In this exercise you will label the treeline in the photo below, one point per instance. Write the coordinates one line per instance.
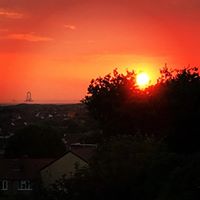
(169, 110)
(149, 147)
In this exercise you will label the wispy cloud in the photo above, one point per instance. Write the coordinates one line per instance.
(10, 14)
(71, 27)
(28, 37)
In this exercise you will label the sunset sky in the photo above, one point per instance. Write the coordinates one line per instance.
(53, 48)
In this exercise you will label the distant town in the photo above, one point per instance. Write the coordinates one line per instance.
(68, 132)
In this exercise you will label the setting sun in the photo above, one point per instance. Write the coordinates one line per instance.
(142, 79)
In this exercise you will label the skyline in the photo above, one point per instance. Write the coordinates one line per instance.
(55, 47)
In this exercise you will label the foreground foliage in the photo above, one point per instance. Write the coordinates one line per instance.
(133, 168)
(150, 146)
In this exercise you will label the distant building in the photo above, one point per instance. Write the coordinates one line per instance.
(71, 114)
(4, 138)
(29, 97)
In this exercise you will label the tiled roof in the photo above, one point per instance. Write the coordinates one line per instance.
(85, 152)
(25, 168)
(82, 151)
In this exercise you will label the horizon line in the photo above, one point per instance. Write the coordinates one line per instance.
(40, 101)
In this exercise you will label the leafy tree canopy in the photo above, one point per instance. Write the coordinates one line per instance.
(170, 108)
(35, 141)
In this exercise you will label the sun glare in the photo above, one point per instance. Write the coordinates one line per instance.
(143, 80)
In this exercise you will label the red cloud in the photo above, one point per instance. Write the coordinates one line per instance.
(71, 27)
(28, 37)
(11, 14)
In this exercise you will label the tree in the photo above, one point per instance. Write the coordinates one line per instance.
(109, 99)
(139, 166)
(181, 98)
(169, 109)
(35, 141)
(116, 171)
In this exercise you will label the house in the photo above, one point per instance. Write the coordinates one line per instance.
(20, 176)
(78, 157)
(66, 166)
(3, 141)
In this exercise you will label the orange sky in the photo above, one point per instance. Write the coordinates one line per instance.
(55, 47)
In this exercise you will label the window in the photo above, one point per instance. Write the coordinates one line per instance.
(24, 185)
(3, 185)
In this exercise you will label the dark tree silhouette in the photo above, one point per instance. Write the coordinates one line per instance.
(132, 168)
(181, 98)
(109, 98)
(170, 108)
(139, 166)
(35, 141)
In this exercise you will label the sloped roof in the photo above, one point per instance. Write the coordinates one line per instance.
(25, 168)
(84, 152)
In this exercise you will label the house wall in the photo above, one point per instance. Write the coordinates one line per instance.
(66, 165)
(13, 190)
